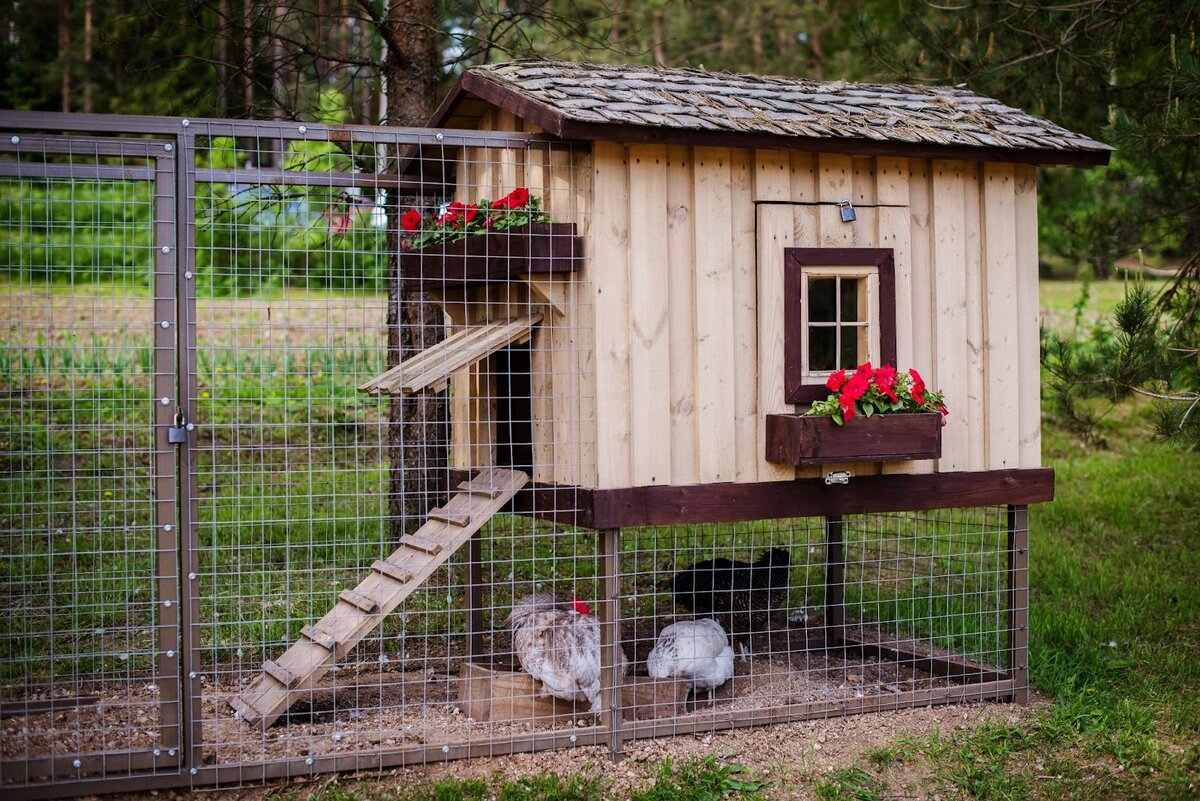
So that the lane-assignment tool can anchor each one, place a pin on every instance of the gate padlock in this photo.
(847, 210)
(177, 434)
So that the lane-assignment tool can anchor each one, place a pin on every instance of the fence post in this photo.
(189, 506)
(1018, 601)
(610, 637)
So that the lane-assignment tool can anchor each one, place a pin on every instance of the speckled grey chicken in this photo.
(740, 596)
(558, 643)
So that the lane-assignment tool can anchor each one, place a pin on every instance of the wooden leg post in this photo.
(473, 598)
(835, 583)
(1018, 601)
(610, 638)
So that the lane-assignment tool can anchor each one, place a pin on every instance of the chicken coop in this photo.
(347, 447)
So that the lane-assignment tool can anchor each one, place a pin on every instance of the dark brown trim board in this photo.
(806, 497)
(812, 497)
(555, 122)
(794, 260)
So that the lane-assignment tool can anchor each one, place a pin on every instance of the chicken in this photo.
(737, 595)
(695, 650)
(559, 645)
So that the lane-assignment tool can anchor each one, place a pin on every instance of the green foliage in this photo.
(1148, 350)
(706, 779)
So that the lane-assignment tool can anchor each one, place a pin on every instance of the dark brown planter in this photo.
(798, 439)
(534, 248)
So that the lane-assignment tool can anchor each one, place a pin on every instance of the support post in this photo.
(189, 492)
(1018, 602)
(835, 583)
(165, 464)
(610, 638)
(473, 598)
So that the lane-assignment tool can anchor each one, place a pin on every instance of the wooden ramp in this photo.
(360, 610)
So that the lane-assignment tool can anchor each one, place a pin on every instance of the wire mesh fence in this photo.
(228, 557)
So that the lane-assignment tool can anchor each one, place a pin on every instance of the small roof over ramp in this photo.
(688, 106)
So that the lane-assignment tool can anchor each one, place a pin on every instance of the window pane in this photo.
(822, 349)
(822, 300)
(851, 356)
(850, 289)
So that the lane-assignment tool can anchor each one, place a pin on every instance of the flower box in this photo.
(800, 439)
(542, 248)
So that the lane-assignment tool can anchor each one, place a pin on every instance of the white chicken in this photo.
(695, 650)
(559, 645)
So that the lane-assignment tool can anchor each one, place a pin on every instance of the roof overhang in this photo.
(473, 93)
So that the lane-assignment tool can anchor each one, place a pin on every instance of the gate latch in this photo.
(837, 477)
(177, 434)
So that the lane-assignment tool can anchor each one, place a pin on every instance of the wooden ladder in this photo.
(360, 610)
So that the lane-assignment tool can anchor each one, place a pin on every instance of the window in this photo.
(839, 311)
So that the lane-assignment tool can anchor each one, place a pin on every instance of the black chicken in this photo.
(737, 595)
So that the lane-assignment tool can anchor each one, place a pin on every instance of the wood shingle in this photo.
(689, 106)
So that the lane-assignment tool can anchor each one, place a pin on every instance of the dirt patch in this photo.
(292, 320)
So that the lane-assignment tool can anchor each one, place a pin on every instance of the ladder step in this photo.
(320, 637)
(397, 574)
(280, 674)
(243, 709)
(425, 546)
(359, 601)
(442, 515)
(483, 490)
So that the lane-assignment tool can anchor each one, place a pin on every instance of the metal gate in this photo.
(154, 484)
(88, 493)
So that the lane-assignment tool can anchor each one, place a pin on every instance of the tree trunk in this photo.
(88, 10)
(417, 431)
(64, 53)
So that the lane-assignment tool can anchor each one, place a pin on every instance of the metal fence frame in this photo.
(172, 148)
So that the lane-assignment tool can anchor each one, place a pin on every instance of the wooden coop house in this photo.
(640, 363)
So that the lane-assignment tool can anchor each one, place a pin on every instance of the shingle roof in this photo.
(583, 100)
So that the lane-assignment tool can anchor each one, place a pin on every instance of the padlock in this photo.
(847, 211)
(177, 434)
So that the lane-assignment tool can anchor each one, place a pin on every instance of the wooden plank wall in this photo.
(686, 271)
(562, 378)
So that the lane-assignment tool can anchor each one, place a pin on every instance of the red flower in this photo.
(847, 404)
(856, 387)
(470, 211)
(885, 379)
(918, 387)
(864, 370)
(836, 380)
(488, 222)
(411, 220)
(513, 200)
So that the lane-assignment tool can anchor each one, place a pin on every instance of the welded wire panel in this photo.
(89, 651)
(823, 616)
(330, 567)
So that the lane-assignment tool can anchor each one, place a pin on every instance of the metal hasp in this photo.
(837, 477)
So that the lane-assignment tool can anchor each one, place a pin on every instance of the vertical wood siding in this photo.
(964, 237)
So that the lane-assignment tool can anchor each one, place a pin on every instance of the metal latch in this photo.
(177, 434)
(838, 477)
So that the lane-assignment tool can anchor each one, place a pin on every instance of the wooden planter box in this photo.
(798, 439)
(534, 248)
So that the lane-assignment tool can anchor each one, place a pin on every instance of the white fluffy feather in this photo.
(695, 650)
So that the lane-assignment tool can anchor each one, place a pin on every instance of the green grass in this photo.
(707, 779)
